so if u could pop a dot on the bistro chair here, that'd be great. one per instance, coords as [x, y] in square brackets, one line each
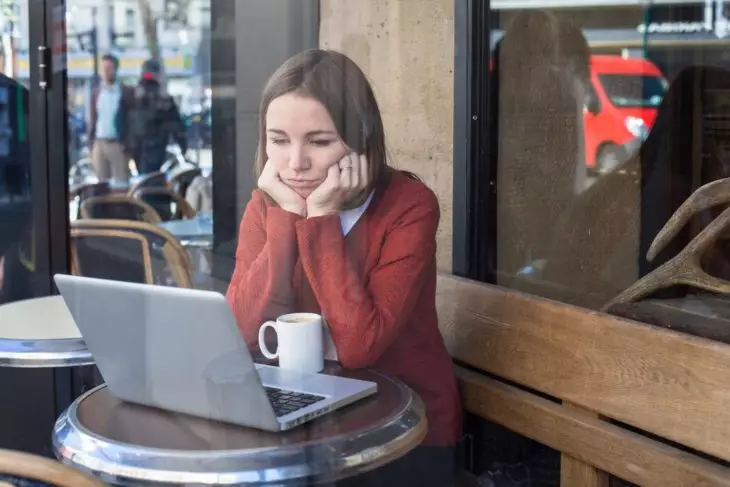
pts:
[21, 469]
[78, 193]
[130, 251]
[87, 190]
[152, 180]
[168, 204]
[181, 180]
[118, 207]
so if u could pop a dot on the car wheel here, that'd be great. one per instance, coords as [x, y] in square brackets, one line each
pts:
[609, 158]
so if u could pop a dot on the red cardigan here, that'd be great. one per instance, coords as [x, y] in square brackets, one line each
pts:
[376, 288]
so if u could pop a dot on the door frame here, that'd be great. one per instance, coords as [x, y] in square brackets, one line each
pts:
[47, 127]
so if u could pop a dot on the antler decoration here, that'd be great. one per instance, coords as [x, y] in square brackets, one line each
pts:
[685, 267]
[707, 196]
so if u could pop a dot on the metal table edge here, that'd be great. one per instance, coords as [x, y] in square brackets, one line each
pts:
[44, 353]
[98, 460]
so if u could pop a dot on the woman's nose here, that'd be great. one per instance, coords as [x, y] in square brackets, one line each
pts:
[298, 160]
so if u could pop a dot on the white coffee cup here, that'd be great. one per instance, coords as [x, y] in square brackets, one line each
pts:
[300, 340]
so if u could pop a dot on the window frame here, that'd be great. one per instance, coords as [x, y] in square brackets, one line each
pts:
[474, 167]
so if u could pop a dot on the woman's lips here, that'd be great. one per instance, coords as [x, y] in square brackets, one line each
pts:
[301, 183]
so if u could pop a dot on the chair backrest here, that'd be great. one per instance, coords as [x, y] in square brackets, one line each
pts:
[129, 251]
[84, 191]
[570, 379]
[17, 468]
[180, 181]
[118, 207]
[152, 180]
[87, 190]
[168, 204]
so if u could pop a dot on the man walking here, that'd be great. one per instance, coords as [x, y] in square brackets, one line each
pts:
[108, 122]
[154, 121]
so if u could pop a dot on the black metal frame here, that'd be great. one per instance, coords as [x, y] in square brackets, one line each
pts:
[475, 145]
[49, 165]
[57, 160]
[38, 137]
[223, 133]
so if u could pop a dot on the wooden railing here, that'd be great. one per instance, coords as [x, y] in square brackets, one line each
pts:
[596, 367]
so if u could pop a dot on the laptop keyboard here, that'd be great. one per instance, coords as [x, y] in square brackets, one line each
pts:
[285, 402]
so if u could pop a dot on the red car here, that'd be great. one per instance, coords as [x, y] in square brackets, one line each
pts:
[620, 108]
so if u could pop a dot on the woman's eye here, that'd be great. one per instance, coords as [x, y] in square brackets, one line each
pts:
[278, 141]
[321, 143]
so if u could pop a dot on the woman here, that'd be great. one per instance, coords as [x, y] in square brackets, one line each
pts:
[334, 230]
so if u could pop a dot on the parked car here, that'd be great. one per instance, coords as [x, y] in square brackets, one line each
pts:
[620, 109]
[621, 105]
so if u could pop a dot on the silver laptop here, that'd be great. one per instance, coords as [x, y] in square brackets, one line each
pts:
[180, 350]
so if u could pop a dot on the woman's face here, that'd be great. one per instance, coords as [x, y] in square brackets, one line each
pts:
[301, 141]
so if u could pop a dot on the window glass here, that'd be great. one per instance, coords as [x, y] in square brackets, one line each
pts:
[290, 156]
[607, 119]
[17, 248]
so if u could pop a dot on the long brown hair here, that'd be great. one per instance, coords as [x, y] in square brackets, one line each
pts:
[339, 84]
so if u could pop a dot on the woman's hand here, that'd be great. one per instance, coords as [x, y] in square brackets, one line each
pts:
[287, 199]
[345, 180]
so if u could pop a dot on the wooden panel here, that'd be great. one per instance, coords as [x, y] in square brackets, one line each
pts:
[582, 436]
[660, 381]
[575, 473]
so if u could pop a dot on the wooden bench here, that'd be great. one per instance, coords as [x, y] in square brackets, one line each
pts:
[597, 368]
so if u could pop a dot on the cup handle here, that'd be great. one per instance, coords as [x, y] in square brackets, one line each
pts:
[262, 342]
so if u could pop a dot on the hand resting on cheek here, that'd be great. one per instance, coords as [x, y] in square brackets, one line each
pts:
[270, 182]
[347, 178]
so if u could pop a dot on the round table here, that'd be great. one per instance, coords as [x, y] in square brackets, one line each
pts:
[40, 332]
[128, 444]
[194, 233]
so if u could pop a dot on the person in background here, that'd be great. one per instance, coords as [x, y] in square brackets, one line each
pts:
[108, 122]
[334, 229]
[155, 119]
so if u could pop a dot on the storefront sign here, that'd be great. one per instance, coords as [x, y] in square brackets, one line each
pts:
[713, 22]
[674, 28]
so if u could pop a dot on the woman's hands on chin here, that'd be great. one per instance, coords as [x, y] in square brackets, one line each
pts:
[344, 180]
[287, 199]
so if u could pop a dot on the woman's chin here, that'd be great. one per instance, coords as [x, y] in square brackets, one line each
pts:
[303, 192]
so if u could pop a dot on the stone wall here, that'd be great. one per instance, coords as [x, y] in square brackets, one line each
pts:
[406, 47]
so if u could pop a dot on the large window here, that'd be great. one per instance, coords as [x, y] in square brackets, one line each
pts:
[601, 121]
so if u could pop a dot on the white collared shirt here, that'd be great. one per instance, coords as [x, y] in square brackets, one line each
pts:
[348, 218]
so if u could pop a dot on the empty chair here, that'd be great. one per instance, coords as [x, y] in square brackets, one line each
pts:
[128, 251]
[87, 190]
[151, 180]
[118, 207]
[180, 181]
[80, 192]
[168, 204]
[17, 468]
